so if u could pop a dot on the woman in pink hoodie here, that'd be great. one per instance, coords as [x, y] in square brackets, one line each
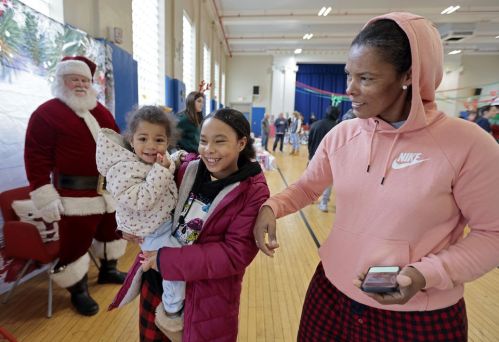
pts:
[408, 179]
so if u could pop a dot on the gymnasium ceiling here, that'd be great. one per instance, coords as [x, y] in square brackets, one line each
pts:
[273, 27]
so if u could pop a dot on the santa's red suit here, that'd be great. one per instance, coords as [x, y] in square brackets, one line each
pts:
[60, 164]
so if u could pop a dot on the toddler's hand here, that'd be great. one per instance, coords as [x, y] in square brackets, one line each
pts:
[149, 260]
[163, 160]
[132, 238]
[146, 266]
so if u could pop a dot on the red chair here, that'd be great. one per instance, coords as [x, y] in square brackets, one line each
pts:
[5, 335]
[23, 241]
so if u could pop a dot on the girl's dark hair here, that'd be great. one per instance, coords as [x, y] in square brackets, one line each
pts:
[390, 40]
[190, 107]
[154, 115]
[238, 122]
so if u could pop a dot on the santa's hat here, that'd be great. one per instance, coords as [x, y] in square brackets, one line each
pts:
[78, 65]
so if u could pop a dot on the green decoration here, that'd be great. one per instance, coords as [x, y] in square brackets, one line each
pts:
[336, 100]
[10, 41]
[33, 40]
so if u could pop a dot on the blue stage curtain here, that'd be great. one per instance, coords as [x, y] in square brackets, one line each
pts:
[329, 77]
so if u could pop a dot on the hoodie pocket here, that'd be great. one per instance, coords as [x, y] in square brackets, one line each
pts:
[346, 254]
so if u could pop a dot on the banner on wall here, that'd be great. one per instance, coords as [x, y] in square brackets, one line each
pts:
[31, 45]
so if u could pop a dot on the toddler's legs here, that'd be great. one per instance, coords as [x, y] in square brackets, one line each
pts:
[169, 314]
[173, 296]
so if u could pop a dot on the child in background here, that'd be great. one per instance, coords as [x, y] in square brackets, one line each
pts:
[140, 177]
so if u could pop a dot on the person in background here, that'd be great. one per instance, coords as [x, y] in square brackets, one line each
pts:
[408, 180]
[483, 120]
[272, 127]
[348, 115]
[472, 115]
[494, 118]
[312, 119]
[280, 125]
[317, 132]
[265, 131]
[189, 122]
[295, 131]
[488, 114]
[220, 195]
[60, 165]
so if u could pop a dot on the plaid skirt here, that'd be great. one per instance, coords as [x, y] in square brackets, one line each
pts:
[150, 297]
[329, 315]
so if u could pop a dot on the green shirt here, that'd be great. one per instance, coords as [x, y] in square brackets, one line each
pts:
[189, 139]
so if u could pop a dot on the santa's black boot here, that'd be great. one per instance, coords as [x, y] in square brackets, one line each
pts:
[81, 300]
[108, 274]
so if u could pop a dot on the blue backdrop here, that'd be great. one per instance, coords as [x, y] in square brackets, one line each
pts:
[329, 77]
[125, 84]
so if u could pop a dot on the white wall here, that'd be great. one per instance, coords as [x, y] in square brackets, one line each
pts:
[447, 91]
[244, 72]
[477, 71]
[177, 17]
[284, 70]
[95, 17]
[462, 74]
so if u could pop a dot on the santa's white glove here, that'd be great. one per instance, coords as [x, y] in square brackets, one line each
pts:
[52, 211]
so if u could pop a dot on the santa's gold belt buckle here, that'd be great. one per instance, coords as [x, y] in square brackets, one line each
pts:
[101, 185]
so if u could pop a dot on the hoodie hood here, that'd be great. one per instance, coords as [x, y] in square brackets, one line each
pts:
[427, 72]
[112, 148]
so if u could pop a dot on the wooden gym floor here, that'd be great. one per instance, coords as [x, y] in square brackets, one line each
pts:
[271, 300]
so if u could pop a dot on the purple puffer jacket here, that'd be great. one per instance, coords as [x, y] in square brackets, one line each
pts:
[214, 265]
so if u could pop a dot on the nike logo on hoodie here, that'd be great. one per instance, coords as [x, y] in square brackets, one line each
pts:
[406, 159]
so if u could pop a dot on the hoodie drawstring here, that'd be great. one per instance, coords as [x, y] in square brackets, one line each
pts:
[387, 163]
[371, 146]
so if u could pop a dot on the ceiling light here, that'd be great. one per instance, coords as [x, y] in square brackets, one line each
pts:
[454, 52]
[446, 10]
[308, 36]
[497, 37]
[297, 51]
[323, 9]
[450, 9]
[327, 11]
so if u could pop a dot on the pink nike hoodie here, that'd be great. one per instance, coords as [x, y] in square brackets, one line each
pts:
[426, 181]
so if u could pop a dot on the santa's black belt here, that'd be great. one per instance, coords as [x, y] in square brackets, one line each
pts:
[77, 182]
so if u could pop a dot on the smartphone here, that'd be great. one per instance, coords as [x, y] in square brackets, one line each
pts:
[381, 279]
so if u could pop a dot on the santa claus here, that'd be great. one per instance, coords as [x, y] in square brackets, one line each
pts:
[60, 164]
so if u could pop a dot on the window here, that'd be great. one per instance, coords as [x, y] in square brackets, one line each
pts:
[207, 76]
[216, 85]
[189, 55]
[148, 49]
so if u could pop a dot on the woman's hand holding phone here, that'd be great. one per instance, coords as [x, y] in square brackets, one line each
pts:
[410, 281]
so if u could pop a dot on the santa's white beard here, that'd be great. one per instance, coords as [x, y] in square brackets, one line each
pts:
[77, 103]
